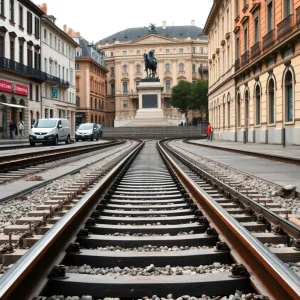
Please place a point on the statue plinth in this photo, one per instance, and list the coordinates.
(150, 79)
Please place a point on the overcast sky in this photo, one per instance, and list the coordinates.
(97, 19)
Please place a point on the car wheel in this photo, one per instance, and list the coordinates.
(32, 144)
(76, 140)
(97, 139)
(92, 139)
(68, 140)
(55, 142)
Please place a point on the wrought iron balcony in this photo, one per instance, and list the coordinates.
(255, 50)
(285, 26)
(268, 39)
(11, 65)
(56, 80)
(245, 58)
(237, 64)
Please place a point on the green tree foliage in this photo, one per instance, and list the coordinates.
(182, 96)
(200, 98)
(187, 96)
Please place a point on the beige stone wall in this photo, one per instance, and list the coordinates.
(116, 58)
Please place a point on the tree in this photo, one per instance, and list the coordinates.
(182, 96)
(200, 98)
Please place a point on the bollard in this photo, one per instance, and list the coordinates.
(283, 137)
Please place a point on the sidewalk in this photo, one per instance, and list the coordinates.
(14, 142)
(267, 149)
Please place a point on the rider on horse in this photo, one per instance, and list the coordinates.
(150, 62)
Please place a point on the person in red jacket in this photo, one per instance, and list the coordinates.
(209, 132)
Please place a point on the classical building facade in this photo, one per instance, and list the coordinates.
(221, 54)
(267, 70)
(181, 52)
(266, 105)
(90, 84)
(20, 67)
(58, 61)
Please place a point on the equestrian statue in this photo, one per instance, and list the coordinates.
(150, 64)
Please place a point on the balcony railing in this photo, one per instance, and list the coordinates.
(237, 64)
(268, 39)
(255, 50)
(56, 80)
(298, 15)
(285, 26)
(12, 65)
(245, 58)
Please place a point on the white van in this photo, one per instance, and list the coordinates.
(50, 131)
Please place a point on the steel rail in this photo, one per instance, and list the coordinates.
(274, 157)
(24, 159)
(28, 276)
(254, 206)
(268, 274)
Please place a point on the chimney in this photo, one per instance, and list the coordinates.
(164, 25)
(43, 7)
(65, 28)
(193, 22)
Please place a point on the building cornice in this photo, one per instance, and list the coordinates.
(32, 7)
(90, 60)
(212, 15)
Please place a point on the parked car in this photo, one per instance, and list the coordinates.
(100, 130)
(87, 131)
(50, 131)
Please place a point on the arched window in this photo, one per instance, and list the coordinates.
(138, 69)
(238, 110)
(246, 109)
(257, 104)
(289, 97)
(168, 85)
(124, 69)
(271, 90)
(91, 103)
(228, 111)
(112, 71)
(181, 67)
(37, 115)
(167, 67)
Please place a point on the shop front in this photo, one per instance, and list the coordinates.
(13, 105)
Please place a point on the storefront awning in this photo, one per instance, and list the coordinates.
(13, 105)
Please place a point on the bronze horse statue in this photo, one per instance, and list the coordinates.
(150, 64)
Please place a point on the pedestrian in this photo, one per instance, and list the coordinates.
(21, 126)
(181, 124)
(12, 129)
(208, 131)
(211, 133)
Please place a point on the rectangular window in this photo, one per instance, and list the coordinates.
(67, 75)
(77, 66)
(71, 76)
(138, 52)
(45, 65)
(125, 87)
(50, 67)
(29, 58)
(124, 52)
(58, 47)
(37, 93)
(237, 47)
(111, 54)
(112, 88)
(167, 50)
(50, 39)
(21, 53)
(193, 68)
(246, 39)
(12, 49)
(2, 8)
(45, 35)
(29, 22)
(180, 50)
(256, 30)
(37, 28)
(193, 49)
(237, 12)
(62, 47)
(63, 73)
(21, 16)
(286, 8)
(12, 10)
(55, 42)
(30, 91)
(201, 50)
(270, 16)
(125, 104)
(58, 75)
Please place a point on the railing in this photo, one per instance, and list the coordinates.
(245, 58)
(255, 50)
(284, 26)
(12, 65)
(56, 80)
(237, 64)
(268, 39)
(298, 15)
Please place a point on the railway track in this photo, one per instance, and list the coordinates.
(148, 227)
(17, 166)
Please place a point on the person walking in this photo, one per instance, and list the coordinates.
(208, 131)
(21, 129)
(12, 129)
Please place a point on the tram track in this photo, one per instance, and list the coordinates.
(140, 230)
